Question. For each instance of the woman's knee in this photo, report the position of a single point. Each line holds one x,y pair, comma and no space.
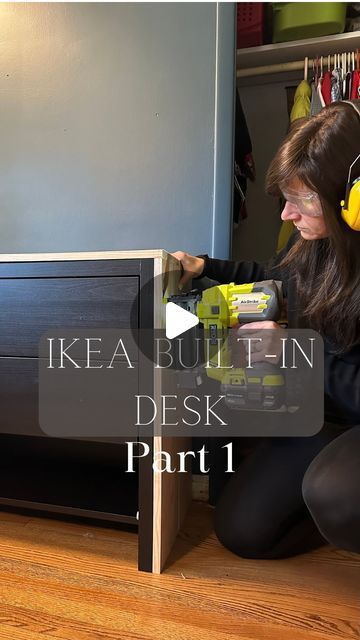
331,501
244,534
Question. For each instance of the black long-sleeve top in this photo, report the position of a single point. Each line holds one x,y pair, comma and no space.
341,371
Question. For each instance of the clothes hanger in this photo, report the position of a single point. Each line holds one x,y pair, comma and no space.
306,68
349,76
317,71
344,71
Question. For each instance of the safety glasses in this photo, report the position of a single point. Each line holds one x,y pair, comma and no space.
306,202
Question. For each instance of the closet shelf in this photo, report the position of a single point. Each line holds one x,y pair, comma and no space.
285,52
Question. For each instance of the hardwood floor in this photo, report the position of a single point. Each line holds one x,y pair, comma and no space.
68,581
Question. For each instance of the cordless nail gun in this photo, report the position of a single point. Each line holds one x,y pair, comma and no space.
221,308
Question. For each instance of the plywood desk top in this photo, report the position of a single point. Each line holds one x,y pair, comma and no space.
84,255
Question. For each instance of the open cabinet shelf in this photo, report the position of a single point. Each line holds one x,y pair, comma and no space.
68,477
285,52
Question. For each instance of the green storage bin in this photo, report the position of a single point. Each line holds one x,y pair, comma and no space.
300,20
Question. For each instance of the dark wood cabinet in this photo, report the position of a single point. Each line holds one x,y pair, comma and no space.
84,477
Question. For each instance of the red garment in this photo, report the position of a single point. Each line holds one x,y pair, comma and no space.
355,85
326,87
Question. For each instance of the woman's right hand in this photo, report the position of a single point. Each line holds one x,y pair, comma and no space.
192,266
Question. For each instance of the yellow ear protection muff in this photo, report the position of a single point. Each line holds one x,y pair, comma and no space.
350,206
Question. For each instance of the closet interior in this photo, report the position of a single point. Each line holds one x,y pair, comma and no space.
268,81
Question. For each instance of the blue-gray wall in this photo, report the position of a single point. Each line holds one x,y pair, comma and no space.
116,126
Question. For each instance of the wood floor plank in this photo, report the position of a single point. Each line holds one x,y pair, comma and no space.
69,581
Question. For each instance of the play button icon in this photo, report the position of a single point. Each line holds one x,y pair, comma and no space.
178,320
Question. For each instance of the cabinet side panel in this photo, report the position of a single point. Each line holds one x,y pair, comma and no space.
171,491
146,506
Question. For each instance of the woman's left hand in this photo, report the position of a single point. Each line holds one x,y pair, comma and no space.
267,342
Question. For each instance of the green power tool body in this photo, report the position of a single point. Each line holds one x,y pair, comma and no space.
221,308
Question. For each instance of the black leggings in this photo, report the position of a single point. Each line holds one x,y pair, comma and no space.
291,495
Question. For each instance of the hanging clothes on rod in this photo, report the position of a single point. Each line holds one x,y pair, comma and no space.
317,100
320,82
337,83
347,76
355,81
342,82
280,67
326,83
301,107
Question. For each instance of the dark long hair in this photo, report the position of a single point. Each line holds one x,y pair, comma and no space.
319,151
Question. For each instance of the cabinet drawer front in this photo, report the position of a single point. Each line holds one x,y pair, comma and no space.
19,402
71,268
19,396
32,307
